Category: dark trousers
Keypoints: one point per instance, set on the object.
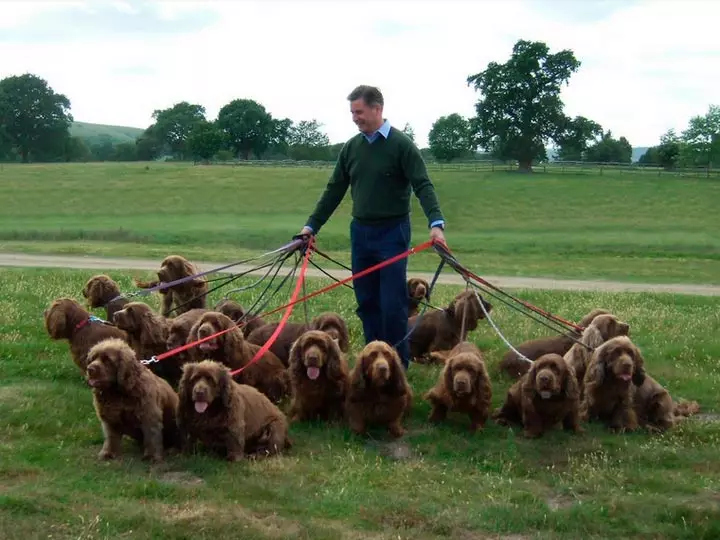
(382, 294)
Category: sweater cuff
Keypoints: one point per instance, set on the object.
(438, 222)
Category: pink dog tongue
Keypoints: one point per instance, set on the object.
(625, 377)
(313, 373)
(200, 406)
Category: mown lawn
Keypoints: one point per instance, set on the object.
(612, 226)
(439, 482)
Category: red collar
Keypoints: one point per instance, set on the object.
(82, 323)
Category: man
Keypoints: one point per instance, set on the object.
(380, 165)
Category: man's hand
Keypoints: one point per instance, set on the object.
(437, 235)
(305, 231)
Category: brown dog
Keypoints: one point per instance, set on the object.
(418, 290)
(379, 391)
(102, 291)
(543, 397)
(616, 368)
(130, 400)
(236, 312)
(184, 296)
(228, 417)
(333, 324)
(319, 376)
(66, 319)
(515, 367)
(655, 409)
(463, 386)
(268, 374)
(281, 346)
(435, 333)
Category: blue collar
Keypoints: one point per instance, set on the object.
(383, 130)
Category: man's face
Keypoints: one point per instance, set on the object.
(366, 118)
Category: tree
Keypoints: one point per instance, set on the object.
(279, 141)
(521, 109)
(247, 127)
(668, 153)
(409, 131)
(610, 150)
(77, 150)
(307, 133)
(702, 138)
(174, 125)
(450, 137)
(33, 116)
(575, 136)
(205, 140)
(147, 146)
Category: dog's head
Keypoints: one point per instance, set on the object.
(418, 290)
(62, 316)
(334, 325)
(465, 374)
(231, 309)
(378, 367)
(551, 377)
(589, 317)
(315, 355)
(466, 305)
(175, 267)
(139, 319)
(99, 290)
(205, 384)
(112, 363)
(610, 326)
(618, 359)
(211, 323)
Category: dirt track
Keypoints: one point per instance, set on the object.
(447, 277)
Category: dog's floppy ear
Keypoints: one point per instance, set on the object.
(232, 339)
(184, 389)
(397, 373)
(357, 379)
(295, 358)
(152, 328)
(571, 388)
(334, 359)
(129, 369)
(528, 379)
(595, 373)
(225, 386)
(639, 374)
(447, 374)
(56, 322)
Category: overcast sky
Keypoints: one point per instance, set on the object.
(646, 66)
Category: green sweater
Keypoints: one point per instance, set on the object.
(380, 176)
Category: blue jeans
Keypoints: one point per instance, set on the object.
(382, 295)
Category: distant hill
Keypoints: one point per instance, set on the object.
(93, 133)
(636, 153)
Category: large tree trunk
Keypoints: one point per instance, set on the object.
(525, 165)
(25, 153)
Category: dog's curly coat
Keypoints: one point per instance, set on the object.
(463, 386)
(184, 296)
(101, 291)
(66, 319)
(656, 410)
(616, 368)
(319, 377)
(546, 395)
(281, 346)
(333, 324)
(236, 311)
(418, 290)
(533, 349)
(227, 417)
(436, 332)
(130, 400)
(379, 392)
(268, 374)
(178, 331)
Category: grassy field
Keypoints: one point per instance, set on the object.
(613, 227)
(438, 482)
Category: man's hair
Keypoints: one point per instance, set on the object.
(371, 95)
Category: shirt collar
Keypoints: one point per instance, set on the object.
(383, 130)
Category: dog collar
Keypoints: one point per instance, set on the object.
(91, 318)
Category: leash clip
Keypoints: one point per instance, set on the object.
(152, 360)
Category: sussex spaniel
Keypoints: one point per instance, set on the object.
(546, 395)
(602, 328)
(268, 374)
(418, 291)
(66, 319)
(655, 409)
(319, 378)
(379, 392)
(435, 333)
(178, 332)
(236, 312)
(227, 417)
(463, 386)
(102, 291)
(130, 400)
(335, 326)
(616, 368)
(515, 367)
(147, 334)
(184, 296)
(281, 346)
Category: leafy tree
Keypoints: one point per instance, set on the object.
(34, 118)
(307, 133)
(610, 150)
(77, 150)
(702, 138)
(102, 148)
(668, 153)
(174, 125)
(205, 140)
(521, 109)
(409, 131)
(575, 136)
(279, 141)
(247, 127)
(450, 137)
(124, 151)
(650, 157)
(148, 146)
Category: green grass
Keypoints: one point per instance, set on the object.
(610, 226)
(332, 485)
(94, 132)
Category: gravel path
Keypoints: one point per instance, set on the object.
(447, 277)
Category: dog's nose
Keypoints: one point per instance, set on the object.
(91, 369)
(544, 378)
